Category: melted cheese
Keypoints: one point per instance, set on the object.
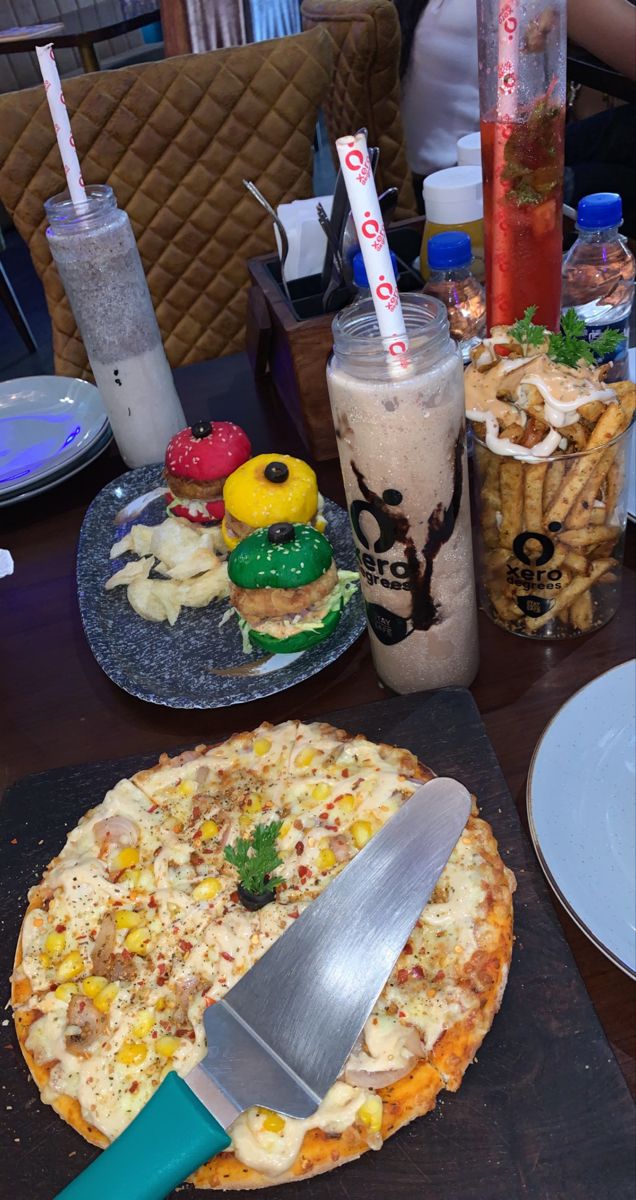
(273, 1153)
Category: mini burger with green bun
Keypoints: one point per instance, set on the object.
(286, 588)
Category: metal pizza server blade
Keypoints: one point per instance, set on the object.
(281, 1036)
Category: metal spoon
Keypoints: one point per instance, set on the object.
(251, 187)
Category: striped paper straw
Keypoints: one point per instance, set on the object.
(367, 218)
(61, 123)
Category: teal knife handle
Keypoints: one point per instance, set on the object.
(173, 1134)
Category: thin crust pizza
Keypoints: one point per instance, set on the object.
(140, 923)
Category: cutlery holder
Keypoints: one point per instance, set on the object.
(292, 344)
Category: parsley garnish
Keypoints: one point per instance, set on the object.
(569, 346)
(256, 857)
(525, 332)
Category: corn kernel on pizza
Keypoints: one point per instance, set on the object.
(141, 922)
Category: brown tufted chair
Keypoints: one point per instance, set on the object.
(175, 140)
(366, 89)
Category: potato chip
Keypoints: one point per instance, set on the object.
(196, 563)
(137, 541)
(155, 599)
(139, 569)
(196, 593)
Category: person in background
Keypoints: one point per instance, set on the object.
(440, 93)
(600, 151)
(439, 74)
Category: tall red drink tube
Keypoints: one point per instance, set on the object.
(522, 100)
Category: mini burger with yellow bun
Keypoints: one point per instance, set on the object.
(198, 462)
(266, 490)
(286, 589)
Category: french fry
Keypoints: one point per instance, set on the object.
(575, 435)
(598, 515)
(553, 481)
(515, 432)
(626, 392)
(534, 476)
(589, 536)
(579, 514)
(576, 587)
(505, 607)
(609, 425)
(565, 556)
(591, 411)
(511, 485)
(576, 562)
(581, 612)
(615, 480)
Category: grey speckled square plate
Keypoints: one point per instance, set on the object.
(194, 664)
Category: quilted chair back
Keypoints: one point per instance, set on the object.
(175, 139)
(366, 88)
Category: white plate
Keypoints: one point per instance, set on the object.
(582, 811)
(94, 450)
(47, 422)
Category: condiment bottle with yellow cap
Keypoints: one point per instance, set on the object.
(454, 200)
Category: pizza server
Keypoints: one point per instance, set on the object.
(281, 1036)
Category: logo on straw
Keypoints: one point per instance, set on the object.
(356, 161)
(372, 230)
(354, 158)
(47, 84)
(386, 292)
(507, 78)
(71, 141)
(508, 21)
(397, 348)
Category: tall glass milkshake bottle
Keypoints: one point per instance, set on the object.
(96, 255)
(401, 440)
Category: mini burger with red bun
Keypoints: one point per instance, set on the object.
(198, 462)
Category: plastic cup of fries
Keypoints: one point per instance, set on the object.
(552, 531)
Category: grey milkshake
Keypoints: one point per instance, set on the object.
(96, 255)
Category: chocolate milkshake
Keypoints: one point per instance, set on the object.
(96, 255)
(401, 440)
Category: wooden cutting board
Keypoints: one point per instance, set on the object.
(544, 1111)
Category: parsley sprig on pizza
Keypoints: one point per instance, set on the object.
(256, 858)
(138, 924)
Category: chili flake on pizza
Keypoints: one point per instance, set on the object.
(138, 925)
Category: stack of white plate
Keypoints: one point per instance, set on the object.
(50, 428)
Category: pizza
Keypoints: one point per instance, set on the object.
(139, 924)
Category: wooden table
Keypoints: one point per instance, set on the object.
(58, 708)
(83, 27)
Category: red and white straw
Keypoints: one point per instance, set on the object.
(61, 123)
(501, 230)
(367, 218)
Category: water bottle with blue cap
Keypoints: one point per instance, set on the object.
(451, 280)
(360, 277)
(598, 275)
